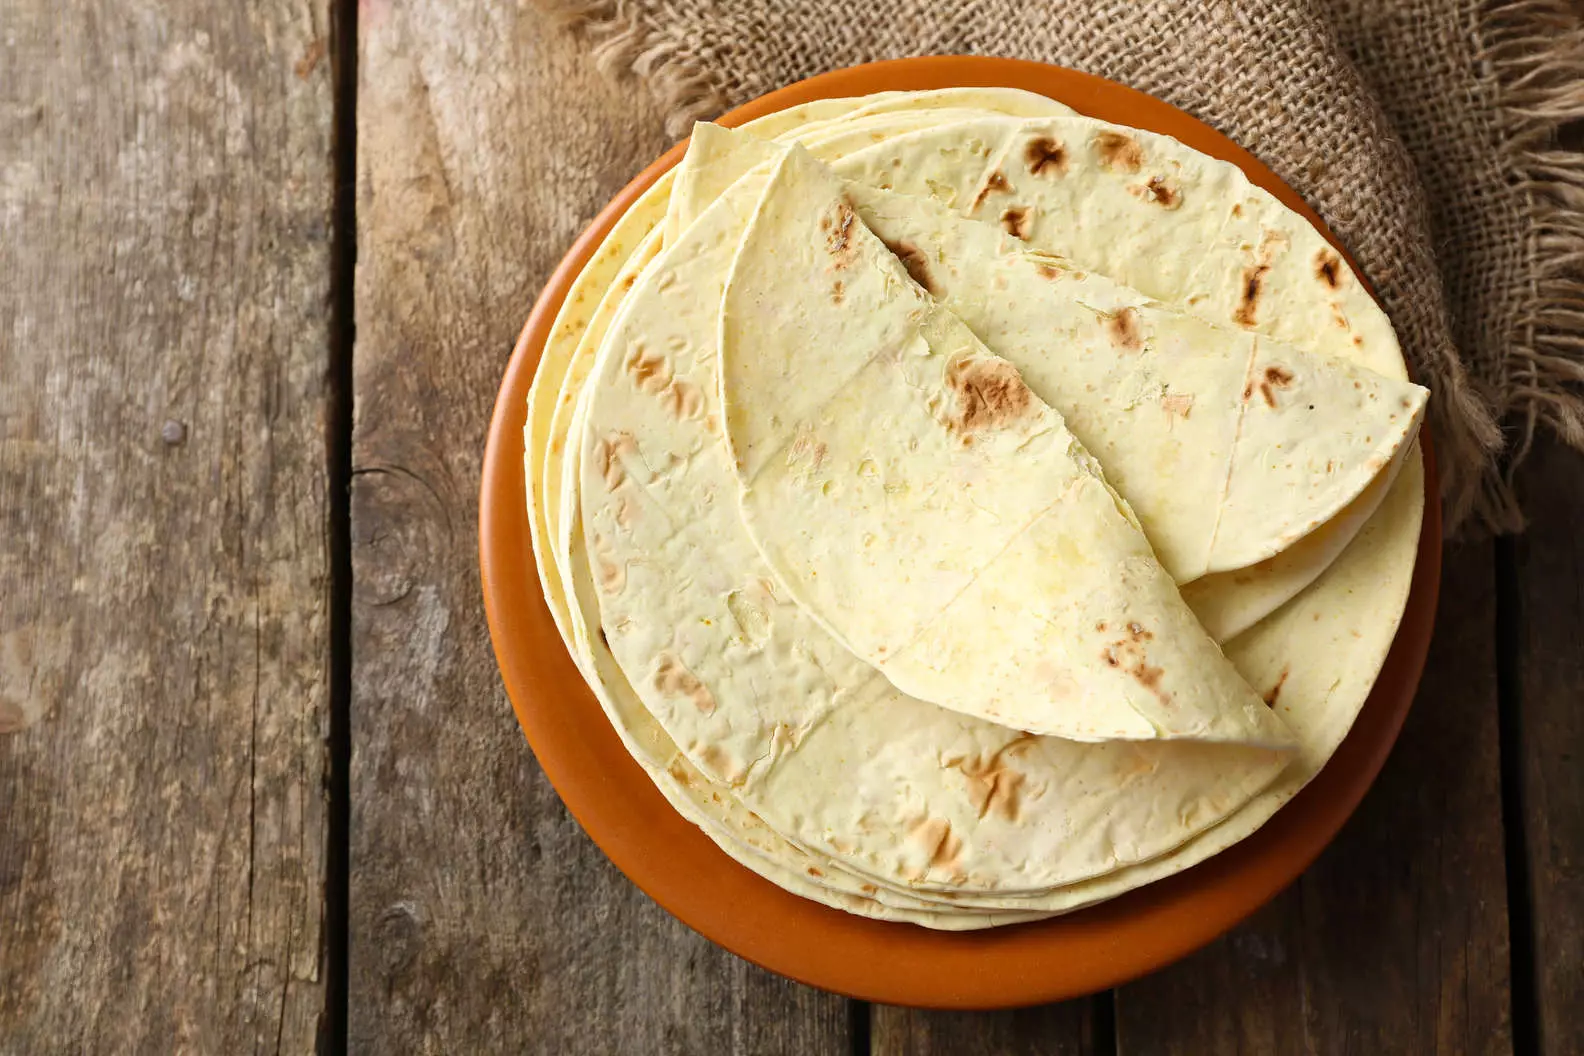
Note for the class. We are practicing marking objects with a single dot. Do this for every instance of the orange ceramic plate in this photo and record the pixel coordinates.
(899, 963)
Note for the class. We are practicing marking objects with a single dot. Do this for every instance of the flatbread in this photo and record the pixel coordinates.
(920, 502)
(766, 704)
(1315, 659)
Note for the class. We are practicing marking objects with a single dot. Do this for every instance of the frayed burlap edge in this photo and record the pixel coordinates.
(1534, 48)
(622, 43)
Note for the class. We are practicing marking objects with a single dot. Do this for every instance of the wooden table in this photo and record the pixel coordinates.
(263, 789)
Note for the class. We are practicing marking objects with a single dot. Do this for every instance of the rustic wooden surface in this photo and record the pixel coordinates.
(480, 911)
(164, 231)
(1549, 730)
(1395, 941)
(167, 880)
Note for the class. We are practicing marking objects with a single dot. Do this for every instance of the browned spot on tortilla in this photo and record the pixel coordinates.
(1045, 155)
(608, 454)
(627, 283)
(1119, 153)
(993, 784)
(868, 889)
(914, 261)
(651, 372)
(814, 872)
(718, 762)
(1275, 691)
(838, 233)
(1016, 222)
(1358, 341)
(1177, 403)
(1158, 191)
(838, 292)
(1248, 301)
(1100, 625)
(935, 835)
(612, 576)
(1328, 268)
(1049, 271)
(673, 679)
(683, 399)
(1237, 209)
(1274, 378)
(1123, 330)
(806, 451)
(1131, 653)
(990, 393)
(997, 183)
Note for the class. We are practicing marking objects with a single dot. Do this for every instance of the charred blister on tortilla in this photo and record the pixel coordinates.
(1267, 384)
(1045, 156)
(914, 261)
(1124, 330)
(995, 183)
(1130, 652)
(1158, 190)
(1329, 269)
(1118, 152)
(1016, 222)
(608, 454)
(989, 392)
(837, 226)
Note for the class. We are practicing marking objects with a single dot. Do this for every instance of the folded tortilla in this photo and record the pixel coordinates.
(921, 502)
(1231, 448)
(845, 124)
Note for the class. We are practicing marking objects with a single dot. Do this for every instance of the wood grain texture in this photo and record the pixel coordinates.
(1064, 1029)
(1395, 941)
(482, 918)
(164, 225)
(1550, 664)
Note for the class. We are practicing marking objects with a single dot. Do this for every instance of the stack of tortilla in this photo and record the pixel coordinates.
(965, 510)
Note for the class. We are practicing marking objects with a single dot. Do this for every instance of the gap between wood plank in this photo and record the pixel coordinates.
(1520, 913)
(338, 427)
(1102, 1017)
(858, 1028)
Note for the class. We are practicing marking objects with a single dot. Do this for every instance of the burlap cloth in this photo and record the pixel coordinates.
(1424, 131)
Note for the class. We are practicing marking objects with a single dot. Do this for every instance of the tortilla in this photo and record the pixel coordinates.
(1229, 446)
(578, 327)
(1196, 426)
(767, 705)
(714, 161)
(919, 501)
(1315, 660)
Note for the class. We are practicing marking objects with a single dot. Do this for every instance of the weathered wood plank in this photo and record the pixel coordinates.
(482, 918)
(165, 198)
(1064, 1029)
(1396, 940)
(1550, 664)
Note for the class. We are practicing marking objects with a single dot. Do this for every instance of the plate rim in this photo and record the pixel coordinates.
(1067, 956)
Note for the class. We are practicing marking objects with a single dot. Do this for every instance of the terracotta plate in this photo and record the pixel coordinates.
(898, 963)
